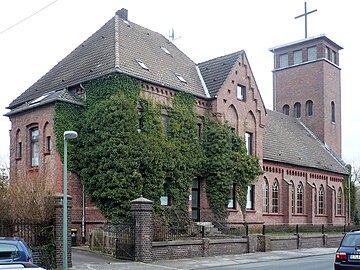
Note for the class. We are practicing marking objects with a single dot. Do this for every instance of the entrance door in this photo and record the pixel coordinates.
(195, 207)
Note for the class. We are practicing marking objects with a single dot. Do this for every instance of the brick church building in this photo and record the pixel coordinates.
(299, 143)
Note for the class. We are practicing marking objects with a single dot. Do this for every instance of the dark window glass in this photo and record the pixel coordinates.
(286, 109)
(309, 108)
(275, 197)
(297, 110)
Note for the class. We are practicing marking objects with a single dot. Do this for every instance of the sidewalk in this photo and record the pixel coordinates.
(206, 262)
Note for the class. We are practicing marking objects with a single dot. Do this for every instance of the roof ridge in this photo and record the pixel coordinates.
(117, 41)
(222, 56)
(324, 145)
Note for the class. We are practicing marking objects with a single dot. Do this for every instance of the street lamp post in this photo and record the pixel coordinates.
(68, 135)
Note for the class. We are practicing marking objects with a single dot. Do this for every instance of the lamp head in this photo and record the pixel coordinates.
(69, 134)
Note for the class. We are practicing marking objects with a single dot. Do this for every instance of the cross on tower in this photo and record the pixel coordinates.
(305, 15)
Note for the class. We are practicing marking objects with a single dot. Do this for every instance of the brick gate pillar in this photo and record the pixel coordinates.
(59, 230)
(141, 213)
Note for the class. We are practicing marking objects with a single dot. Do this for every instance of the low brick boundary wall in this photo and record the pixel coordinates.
(198, 248)
(272, 243)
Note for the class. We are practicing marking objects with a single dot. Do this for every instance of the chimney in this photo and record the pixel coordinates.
(123, 14)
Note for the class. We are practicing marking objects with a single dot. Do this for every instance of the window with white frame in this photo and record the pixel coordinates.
(297, 57)
(265, 196)
(339, 203)
(250, 198)
(300, 199)
(284, 60)
(275, 197)
(292, 198)
(311, 53)
(34, 147)
(241, 92)
(321, 200)
(249, 142)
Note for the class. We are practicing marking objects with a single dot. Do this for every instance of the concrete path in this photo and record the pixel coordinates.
(85, 259)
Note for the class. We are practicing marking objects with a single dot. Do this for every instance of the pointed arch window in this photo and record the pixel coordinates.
(333, 112)
(275, 197)
(339, 203)
(265, 196)
(321, 200)
(315, 200)
(292, 198)
(300, 199)
(286, 109)
(309, 108)
(34, 146)
(297, 110)
(18, 145)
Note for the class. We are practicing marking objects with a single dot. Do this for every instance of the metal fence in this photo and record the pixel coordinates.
(223, 230)
(40, 237)
(34, 233)
(117, 240)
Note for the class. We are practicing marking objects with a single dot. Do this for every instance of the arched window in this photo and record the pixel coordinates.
(265, 196)
(321, 200)
(309, 108)
(34, 147)
(300, 199)
(332, 111)
(275, 197)
(339, 204)
(18, 145)
(286, 109)
(292, 198)
(297, 110)
(47, 139)
(315, 200)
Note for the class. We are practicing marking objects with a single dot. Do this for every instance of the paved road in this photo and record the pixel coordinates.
(322, 262)
(303, 259)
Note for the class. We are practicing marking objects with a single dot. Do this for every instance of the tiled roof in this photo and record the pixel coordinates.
(46, 98)
(116, 47)
(287, 140)
(215, 71)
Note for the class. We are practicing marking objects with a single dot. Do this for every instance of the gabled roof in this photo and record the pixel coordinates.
(215, 71)
(287, 140)
(47, 98)
(119, 46)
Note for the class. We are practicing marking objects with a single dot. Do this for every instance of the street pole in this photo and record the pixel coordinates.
(349, 179)
(67, 135)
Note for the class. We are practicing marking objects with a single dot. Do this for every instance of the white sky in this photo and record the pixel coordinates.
(207, 29)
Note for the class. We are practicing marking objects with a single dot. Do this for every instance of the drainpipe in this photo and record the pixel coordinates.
(83, 216)
(349, 179)
(274, 81)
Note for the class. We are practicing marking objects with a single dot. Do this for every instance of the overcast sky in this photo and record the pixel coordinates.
(205, 29)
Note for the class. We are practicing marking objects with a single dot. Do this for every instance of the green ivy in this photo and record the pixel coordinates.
(354, 212)
(66, 118)
(183, 153)
(123, 150)
(226, 163)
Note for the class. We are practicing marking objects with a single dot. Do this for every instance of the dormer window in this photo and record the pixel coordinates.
(181, 79)
(141, 64)
(166, 50)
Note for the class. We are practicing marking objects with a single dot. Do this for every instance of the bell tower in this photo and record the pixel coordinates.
(306, 85)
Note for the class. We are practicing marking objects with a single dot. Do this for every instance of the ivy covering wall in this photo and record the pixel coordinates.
(125, 150)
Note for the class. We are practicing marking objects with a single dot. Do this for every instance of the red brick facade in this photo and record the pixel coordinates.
(319, 80)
